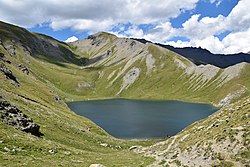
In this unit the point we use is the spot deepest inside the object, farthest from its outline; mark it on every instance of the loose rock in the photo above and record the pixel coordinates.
(67, 153)
(14, 117)
(52, 151)
(23, 68)
(104, 144)
(10, 49)
(58, 98)
(96, 165)
(1, 56)
(8, 73)
(134, 147)
(6, 149)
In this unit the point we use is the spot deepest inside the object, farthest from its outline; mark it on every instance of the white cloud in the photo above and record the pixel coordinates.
(237, 42)
(82, 24)
(63, 13)
(232, 43)
(179, 44)
(218, 2)
(135, 32)
(160, 33)
(202, 31)
(239, 17)
(103, 15)
(71, 39)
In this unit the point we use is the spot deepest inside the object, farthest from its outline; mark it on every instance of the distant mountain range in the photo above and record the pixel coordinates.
(202, 56)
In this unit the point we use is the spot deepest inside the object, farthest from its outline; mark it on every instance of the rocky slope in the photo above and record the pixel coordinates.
(129, 68)
(222, 139)
(39, 74)
(14, 117)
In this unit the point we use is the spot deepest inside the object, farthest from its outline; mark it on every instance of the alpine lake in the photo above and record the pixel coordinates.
(134, 119)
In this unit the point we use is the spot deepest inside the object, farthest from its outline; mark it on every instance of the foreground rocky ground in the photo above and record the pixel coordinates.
(223, 139)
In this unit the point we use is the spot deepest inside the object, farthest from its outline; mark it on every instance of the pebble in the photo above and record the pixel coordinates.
(67, 153)
(134, 147)
(96, 165)
(52, 151)
(104, 144)
(6, 149)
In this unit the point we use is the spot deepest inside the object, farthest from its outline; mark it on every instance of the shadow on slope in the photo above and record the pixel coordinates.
(36, 45)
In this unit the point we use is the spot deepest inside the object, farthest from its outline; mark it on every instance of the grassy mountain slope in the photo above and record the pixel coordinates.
(77, 141)
(102, 66)
(127, 68)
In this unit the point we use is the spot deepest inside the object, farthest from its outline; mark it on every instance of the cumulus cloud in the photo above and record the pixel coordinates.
(233, 43)
(71, 39)
(237, 42)
(239, 17)
(202, 32)
(217, 2)
(78, 13)
(207, 26)
(134, 31)
(105, 15)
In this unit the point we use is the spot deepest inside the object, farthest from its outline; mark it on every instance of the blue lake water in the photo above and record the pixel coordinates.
(124, 118)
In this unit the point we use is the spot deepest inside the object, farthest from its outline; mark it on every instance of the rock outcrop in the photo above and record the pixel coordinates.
(23, 68)
(3, 58)
(9, 47)
(14, 117)
(8, 73)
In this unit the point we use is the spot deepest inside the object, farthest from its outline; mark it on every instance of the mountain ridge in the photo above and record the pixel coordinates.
(128, 51)
(203, 56)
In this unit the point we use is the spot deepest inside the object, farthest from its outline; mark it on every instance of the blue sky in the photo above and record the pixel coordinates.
(221, 26)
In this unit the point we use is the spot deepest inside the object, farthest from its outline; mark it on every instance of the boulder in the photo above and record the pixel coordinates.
(134, 147)
(1, 56)
(108, 52)
(23, 68)
(58, 98)
(8, 73)
(104, 144)
(52, 151)
(10, 49)
(14, 117)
